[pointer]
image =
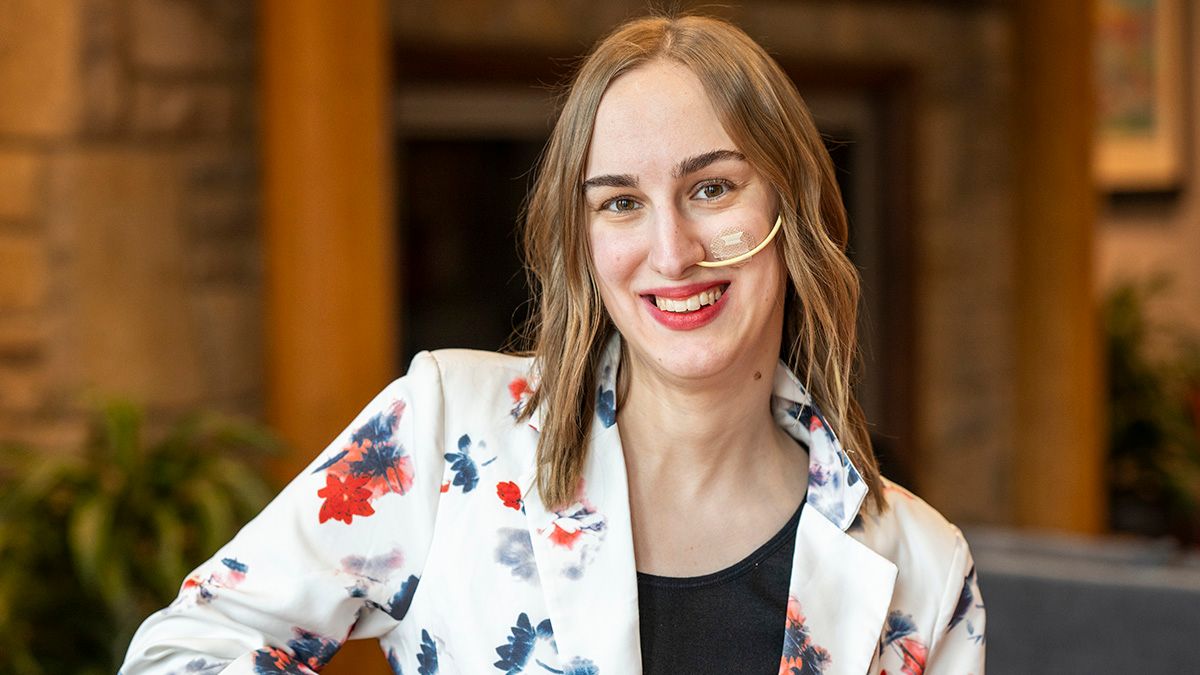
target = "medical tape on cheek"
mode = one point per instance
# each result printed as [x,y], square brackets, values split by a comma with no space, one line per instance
[732,246]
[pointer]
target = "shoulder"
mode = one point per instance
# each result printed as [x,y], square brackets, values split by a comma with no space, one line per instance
[925,547]
[483,380]
[469,373]
[477,363]
[936,613]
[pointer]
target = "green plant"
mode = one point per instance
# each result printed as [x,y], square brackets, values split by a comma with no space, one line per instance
[1154,418]
[93,541]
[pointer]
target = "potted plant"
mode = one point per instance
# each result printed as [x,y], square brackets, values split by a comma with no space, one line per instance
[92,541]
[1154,419]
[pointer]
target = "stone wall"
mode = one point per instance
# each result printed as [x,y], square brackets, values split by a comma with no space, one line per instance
[960,58]
[129,248]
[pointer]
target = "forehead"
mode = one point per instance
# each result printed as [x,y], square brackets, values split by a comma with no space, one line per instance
[651,117]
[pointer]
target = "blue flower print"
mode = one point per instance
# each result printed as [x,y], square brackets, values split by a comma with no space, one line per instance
[515,551]
[313,650]
[309,653]
[580,666]
[900,632]
[801,656]
[515,655]
[606,406]
[606,398]
[337,457]
[966,602]
[382,463]
[380,429]
[466,473]
[402,600]
[427,660]
[202,667]
[394,662]
[899,625]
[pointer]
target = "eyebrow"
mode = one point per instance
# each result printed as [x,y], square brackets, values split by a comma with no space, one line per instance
[685,167]
[694,164]
[611,180]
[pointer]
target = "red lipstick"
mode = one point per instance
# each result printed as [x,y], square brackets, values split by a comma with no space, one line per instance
[685,320]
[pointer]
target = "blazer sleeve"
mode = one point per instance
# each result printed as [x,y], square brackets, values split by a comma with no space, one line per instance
[338,554]
[958,645]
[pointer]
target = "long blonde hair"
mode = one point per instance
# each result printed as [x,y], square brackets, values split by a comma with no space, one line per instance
[764,115]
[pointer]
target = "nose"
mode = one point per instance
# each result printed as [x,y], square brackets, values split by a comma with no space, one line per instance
[675,248]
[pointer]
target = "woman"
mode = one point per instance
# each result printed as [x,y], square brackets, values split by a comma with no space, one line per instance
[654,490]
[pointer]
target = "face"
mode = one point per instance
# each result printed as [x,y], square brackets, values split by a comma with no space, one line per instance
[663,178]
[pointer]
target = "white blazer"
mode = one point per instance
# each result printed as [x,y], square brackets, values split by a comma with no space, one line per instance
[420,525]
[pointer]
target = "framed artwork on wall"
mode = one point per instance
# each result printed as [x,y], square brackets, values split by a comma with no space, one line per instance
[1140,72]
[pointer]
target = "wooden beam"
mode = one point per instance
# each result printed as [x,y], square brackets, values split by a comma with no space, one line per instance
[331,333]
[1058,480]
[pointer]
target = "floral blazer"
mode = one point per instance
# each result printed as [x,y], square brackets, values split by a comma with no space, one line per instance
[421,526]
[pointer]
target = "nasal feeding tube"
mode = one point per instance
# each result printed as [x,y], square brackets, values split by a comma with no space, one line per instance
[731,246]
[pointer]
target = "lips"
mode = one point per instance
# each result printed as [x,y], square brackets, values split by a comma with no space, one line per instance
[686,307]
[691,303]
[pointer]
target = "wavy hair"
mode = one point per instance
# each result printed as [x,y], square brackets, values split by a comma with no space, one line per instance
[763,113]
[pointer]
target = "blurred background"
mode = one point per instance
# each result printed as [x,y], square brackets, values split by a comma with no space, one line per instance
[225,225]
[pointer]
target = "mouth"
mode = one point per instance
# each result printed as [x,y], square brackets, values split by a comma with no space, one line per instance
[687,299]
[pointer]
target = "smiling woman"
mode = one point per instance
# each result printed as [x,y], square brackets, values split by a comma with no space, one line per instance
[676,479]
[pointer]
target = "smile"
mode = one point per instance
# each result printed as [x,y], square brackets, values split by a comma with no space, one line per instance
[687,307]
[691,303]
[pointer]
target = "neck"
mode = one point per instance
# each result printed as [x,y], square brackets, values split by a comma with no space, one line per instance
[693,436]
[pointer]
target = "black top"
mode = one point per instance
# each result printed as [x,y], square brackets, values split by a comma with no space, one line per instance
[730,622]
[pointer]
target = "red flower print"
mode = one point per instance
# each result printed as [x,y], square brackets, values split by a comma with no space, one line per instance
[800,654]
[282,658]
[385,469]
[445,487]
[344,500]
[520,391]
[510,494]
[519,388]
[564,537]
[914,656]
[900,632]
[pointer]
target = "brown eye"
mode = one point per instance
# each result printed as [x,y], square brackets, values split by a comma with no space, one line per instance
[620,204]
[712,190]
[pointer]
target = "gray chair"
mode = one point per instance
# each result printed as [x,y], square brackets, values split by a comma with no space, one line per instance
[1061,604]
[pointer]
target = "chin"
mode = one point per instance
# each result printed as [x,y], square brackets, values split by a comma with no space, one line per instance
[693,362]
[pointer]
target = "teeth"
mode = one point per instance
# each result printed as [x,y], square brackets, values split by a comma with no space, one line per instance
[691,304]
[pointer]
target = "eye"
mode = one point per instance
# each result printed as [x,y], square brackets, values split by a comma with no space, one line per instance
[712,190]
[620,204]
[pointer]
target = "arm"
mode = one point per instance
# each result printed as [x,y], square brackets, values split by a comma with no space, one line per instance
[337,554]
[958,647]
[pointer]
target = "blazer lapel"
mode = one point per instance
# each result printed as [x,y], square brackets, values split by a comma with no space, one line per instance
[837,602]
[840,589]
[584,552]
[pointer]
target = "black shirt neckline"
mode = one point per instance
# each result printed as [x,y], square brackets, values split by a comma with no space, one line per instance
[735,570]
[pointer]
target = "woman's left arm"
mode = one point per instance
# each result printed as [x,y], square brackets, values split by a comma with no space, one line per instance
[958,645]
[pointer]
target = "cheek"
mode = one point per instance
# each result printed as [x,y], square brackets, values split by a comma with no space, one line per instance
[615,258]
